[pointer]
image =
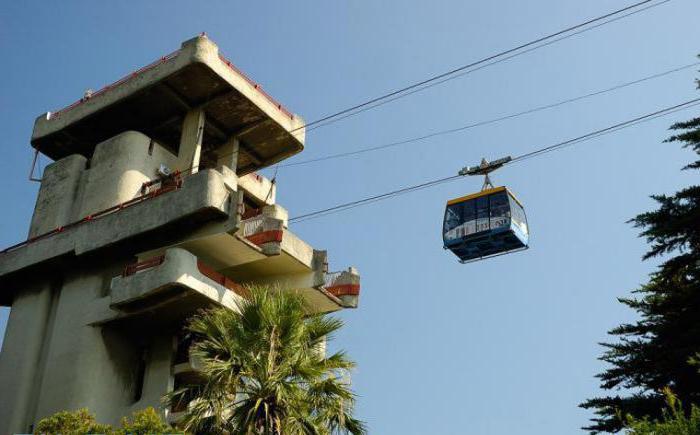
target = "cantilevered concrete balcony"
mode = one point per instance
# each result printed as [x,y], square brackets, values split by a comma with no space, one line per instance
[264,251]
[345,285]
[164,290]
[150,219]
[174,275]
[258,250]
[177,283]
[178,277]
[297,266]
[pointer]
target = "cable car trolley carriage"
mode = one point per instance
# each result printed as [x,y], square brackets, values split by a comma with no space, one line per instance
[485,224]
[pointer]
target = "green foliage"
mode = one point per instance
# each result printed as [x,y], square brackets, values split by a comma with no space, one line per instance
[82,422]
[673,421]
[144,422]
[263,371]
[78,422]
[657,350]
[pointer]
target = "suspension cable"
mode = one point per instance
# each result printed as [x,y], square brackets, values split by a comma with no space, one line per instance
[489,121]
[479,123]
[532,154]
[472,67]
[373,198]
[603,131]
[436,79]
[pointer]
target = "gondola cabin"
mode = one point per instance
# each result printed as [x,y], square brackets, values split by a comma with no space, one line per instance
[485,224]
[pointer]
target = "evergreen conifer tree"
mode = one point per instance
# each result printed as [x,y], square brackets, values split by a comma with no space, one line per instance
[657,351]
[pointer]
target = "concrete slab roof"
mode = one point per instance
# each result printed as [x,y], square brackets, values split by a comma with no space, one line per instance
[155,99]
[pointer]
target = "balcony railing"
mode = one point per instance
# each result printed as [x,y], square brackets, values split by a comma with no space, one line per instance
[262,229]
[344,285]
[149,192]
[221,279]
[134,268]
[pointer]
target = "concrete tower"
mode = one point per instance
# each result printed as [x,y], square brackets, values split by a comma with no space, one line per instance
[151,211]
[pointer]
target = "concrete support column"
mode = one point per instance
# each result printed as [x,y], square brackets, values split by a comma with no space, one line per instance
[191,141]
[158,378]
[26,341]
[227,154]
[87,366]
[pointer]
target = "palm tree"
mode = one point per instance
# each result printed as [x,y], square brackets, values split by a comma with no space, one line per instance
[264,371]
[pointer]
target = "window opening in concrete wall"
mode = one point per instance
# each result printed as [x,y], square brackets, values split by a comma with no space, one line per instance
[140,374]
[4,311]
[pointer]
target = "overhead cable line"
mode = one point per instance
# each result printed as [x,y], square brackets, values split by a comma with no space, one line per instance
[375,198]
[488,121]
[607,130]
[467,69]
[588,136]
[482,66]
[484,122]
[436,79]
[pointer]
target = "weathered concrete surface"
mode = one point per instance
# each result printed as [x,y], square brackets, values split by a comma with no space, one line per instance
[118,169]
[277,212]
[82,335]
[195,76]
[201,193]
[24,355]
[179,269]
[87,367]
[54,357]
[258,187]
[190,150]
[59,187]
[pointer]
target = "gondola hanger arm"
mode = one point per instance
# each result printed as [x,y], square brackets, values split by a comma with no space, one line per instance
[484,168]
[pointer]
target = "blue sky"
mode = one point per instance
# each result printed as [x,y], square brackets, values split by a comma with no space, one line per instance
[502,346]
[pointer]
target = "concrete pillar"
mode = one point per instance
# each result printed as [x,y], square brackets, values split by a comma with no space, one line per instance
[57,195]
[191,141]
[227,154]
[90,366]
[23,356]
[158,379]
[118,168]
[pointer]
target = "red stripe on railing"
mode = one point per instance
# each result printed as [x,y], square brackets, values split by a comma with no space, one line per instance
[175,178]
[220,278]
[266,237]
[117,83]
[89,218]
[344,290]
[163,60]
[256,86]
[131,269]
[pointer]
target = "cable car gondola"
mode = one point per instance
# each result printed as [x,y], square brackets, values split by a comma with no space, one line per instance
[487,223]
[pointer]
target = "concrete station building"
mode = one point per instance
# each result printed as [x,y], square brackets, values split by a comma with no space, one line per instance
[151,210]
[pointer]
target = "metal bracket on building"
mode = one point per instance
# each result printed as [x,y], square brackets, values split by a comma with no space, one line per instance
[484,168]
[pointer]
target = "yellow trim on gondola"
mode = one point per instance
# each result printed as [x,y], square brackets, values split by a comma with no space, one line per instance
[483,193]
[476,195]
